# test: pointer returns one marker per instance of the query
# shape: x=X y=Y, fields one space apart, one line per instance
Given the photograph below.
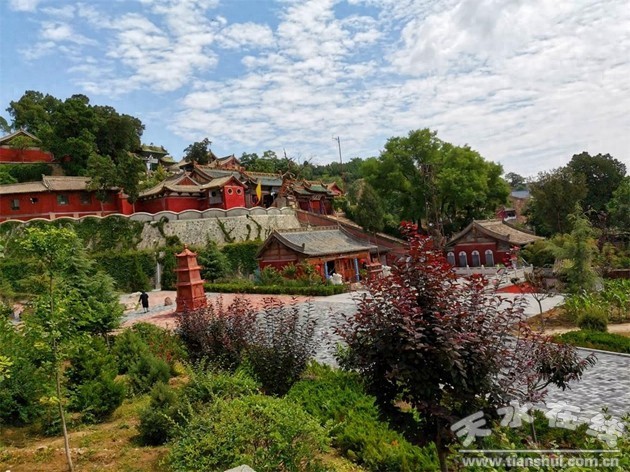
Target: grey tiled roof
x=320 y=242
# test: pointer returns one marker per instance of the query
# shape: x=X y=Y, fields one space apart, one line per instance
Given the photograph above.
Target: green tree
x=515 y=181
x=83 y=137
x=578 y=252
x=420 y=177
x=602 y=174
x=51 y=322
x=198 y=151
x=4 y=125
x=368 y=212
x=32 y=111
x=214 y=263
x=21 y=144
x=619 y=206
x=554 y=196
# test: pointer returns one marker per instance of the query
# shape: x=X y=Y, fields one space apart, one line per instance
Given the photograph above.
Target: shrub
x=338 y=398
x=290 y=271
x=96 y=399
x=217 y=333
x=270 y=276
x=93 y=389
x=159 y=420
x=206 y=386
x=268 y=434
x=146 y=371
x=283 y=342
x=285 y=289
x=596 y=340
x=594 y=319
x=26 y=383
x=162 y=343
x=128 y=347
x=27 y=172
x=213 y=262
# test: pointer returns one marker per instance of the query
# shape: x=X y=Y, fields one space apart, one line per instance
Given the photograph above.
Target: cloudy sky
x=527 y=83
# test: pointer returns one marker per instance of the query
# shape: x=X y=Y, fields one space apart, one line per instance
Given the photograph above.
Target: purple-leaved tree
x=449 y=348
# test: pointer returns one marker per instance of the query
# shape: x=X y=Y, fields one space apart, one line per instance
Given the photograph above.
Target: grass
x=596 y=340
x=107 y=446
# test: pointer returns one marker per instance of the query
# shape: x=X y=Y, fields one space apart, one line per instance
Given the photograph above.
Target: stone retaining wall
x=236 y=227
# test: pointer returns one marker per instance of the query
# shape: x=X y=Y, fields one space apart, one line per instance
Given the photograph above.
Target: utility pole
x=340 y=160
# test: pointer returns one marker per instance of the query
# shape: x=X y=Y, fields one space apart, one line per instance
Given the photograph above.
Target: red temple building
x=487 y=243
x=55 y=197
x=11 y=152
x=193 y=190
x=330 y=249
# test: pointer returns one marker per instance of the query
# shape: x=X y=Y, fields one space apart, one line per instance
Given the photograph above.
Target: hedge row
x=132 y=271
x=310 y=291
x=596 y=340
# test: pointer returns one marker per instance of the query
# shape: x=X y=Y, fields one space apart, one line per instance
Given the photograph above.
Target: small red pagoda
x=190 y=292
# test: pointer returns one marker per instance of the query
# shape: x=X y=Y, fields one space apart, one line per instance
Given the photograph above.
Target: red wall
x=234 y=199
x=468 y=248
x=8 y=154
x=47 y=203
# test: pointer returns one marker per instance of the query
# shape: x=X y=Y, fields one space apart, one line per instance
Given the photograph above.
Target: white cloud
x=245 y=35
x=24 y=5
x=527 y=83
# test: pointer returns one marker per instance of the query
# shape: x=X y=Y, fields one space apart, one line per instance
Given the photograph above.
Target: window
x=62 y=199
x=15 y=204
x=489 y=258
x=476 y=260
x=86 y=198
x=34 y=200
x=213 y=193
x=463 y=261
x=239 y=191
x=450 y=257
x=230 y=191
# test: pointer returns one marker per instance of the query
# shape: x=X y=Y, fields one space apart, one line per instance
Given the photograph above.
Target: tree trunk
x=66 y=441
x=442 y=452
x=62 y=416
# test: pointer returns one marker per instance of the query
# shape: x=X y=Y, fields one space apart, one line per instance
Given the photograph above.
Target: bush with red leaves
x=449 y=348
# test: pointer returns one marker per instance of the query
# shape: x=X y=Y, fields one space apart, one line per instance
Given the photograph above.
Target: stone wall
x=234 y=225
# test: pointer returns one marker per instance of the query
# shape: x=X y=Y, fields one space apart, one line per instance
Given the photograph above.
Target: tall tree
x=515 y=181
x=79 y=134
x=421 y=177
x=53 y=248
x=619 y=206
x=198 y=152
x=32 y=111
x=4 y=125
x=602 y=175
x=368 y=212
x=554 y=195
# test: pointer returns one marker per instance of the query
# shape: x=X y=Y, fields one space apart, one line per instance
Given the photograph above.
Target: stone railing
x=179 y=216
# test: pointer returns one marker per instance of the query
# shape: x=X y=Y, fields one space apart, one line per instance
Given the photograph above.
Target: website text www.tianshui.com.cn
x=559 y=461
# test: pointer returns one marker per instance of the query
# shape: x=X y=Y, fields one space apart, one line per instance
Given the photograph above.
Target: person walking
x=144 y=299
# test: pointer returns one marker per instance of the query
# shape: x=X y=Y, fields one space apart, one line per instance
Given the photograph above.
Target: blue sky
x=527 y=83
